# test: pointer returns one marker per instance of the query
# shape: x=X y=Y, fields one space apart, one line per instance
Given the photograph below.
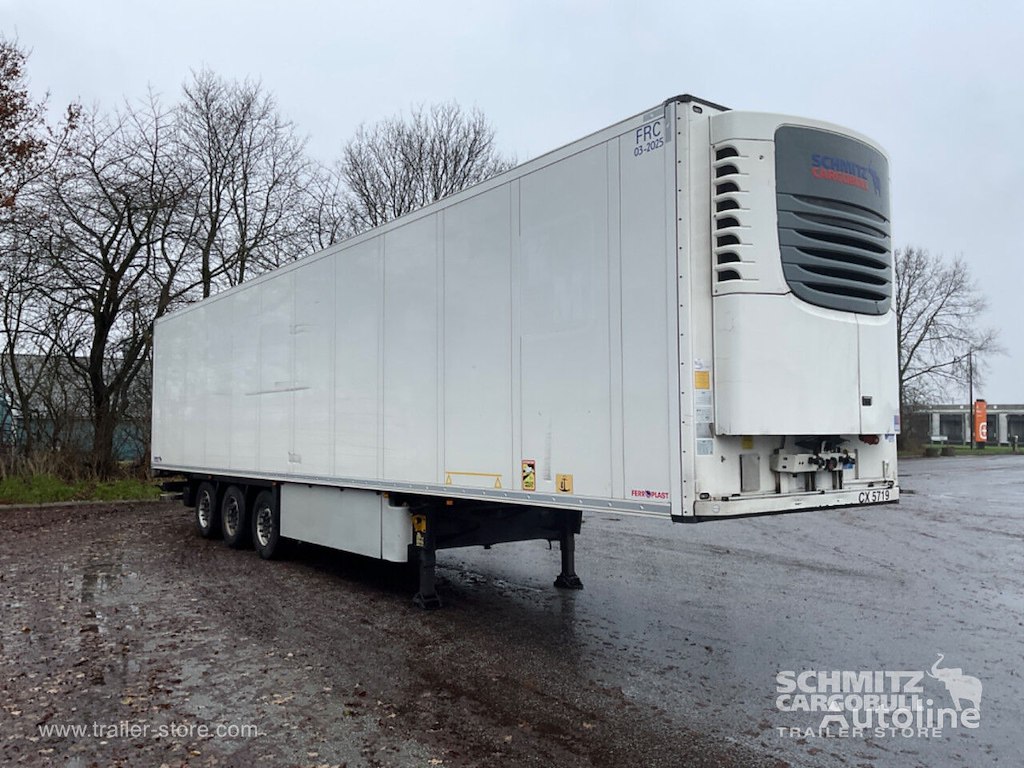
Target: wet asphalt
x=697 y=620
x=668 y=656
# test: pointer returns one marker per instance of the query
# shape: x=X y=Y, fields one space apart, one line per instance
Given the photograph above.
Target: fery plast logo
x=842 y=171
x=645 y=493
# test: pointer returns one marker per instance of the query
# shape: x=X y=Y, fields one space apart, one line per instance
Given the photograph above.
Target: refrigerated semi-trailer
x=687 y=315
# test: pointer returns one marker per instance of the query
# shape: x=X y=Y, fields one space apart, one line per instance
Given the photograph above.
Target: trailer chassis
x=437 y=524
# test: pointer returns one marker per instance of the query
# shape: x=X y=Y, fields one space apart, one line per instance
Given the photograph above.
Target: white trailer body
x=687 y=314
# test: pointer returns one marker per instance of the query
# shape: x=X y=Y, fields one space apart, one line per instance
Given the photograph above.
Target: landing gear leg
x=568 y=579
x=425 y=549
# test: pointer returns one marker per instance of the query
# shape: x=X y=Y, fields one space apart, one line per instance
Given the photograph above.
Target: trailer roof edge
x=685 y=98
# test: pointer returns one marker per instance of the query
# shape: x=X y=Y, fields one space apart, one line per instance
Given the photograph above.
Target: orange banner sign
x=980 y=421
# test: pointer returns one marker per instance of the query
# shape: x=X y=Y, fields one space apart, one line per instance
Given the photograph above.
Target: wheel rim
x=204 y=509
x=231 y=516
x=264 y=525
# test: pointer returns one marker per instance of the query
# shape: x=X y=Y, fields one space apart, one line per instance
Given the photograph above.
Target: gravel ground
x=120 y=618
x=163 y=648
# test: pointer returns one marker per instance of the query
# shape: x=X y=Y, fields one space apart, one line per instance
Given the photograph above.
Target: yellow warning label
x=702 y=379
x=529 y=475
x=747 y=442
x=495 y=476
x=563 y=483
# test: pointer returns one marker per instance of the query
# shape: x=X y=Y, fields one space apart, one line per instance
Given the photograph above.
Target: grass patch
x=128 y=489
x=41 y=489
x=34 y=489
x=963 y=450
x=991 y=450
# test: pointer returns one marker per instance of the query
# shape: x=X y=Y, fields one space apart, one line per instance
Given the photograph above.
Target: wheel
x=207 y=514
x=234 y=519
x=266 y=526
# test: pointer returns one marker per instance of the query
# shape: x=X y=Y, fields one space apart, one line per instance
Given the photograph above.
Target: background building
x=951 y=423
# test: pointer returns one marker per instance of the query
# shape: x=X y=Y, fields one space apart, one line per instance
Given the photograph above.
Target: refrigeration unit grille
x=835 y=254
x=730 y=228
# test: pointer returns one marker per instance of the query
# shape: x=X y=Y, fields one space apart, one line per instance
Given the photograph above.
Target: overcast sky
x=939 y=84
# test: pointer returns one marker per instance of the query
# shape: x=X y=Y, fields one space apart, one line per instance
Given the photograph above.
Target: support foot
x=427 y=602
x=423 y=552
x=572 y=581
x=568 y=579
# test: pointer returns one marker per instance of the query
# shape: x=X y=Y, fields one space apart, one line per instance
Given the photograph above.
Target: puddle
x=99 y=578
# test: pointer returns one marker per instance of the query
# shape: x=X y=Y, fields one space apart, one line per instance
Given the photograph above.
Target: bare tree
x=266 y=191
x=121 y=218
x=398 y=165
x=209 y=133
x=104 y=208
x=250 y=167
x=28 y=357
x=938 y=310
x=323 y=216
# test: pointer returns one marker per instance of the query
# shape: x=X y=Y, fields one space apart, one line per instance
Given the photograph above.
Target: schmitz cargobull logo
x=878 y=703
x=844 y=171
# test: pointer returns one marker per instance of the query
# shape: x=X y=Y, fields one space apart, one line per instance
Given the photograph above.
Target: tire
x=266 y=526
x=234 y=519
x=207 y=511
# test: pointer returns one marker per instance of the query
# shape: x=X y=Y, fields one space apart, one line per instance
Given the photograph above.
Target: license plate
x=875 y=497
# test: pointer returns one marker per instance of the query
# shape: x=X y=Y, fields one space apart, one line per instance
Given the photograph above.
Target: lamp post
x=970 y=395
